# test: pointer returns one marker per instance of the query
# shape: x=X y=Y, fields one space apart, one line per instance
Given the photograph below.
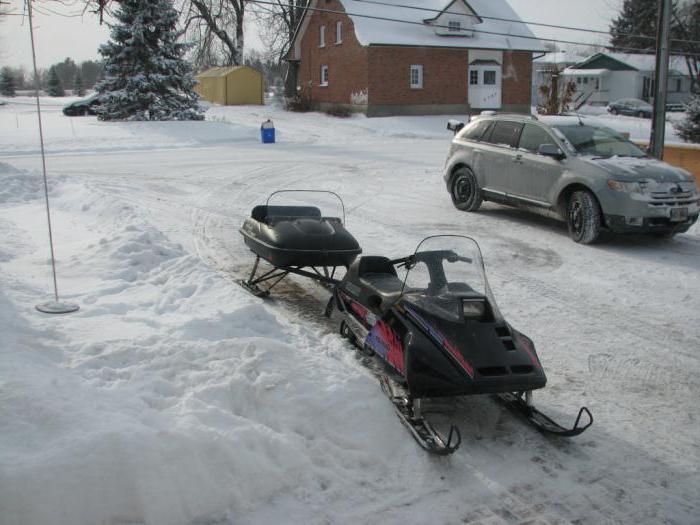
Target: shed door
x=484 y=89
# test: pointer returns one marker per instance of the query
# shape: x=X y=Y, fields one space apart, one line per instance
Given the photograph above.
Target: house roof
x=634 y=62
x=403 y=23
x=558 y=57
x=489 y=34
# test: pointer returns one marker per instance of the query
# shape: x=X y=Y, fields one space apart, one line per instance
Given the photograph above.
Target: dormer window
x=454 y=26
x=456 y=19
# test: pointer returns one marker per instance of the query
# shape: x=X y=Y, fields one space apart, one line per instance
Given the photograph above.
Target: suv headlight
x=629 y=187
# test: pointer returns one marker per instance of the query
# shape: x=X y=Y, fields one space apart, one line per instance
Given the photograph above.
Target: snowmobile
x=437 y=329
x=440 y=333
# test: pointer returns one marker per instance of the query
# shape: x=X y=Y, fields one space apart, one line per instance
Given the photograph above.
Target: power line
x=482 y=31
x=517 y=21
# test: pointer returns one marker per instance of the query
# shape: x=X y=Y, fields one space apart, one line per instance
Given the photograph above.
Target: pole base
x=57 y=308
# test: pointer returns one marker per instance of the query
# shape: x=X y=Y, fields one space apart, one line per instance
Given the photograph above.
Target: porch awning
x=568 y=72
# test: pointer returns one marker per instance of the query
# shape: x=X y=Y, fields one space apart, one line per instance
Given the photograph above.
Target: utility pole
x=658 y=122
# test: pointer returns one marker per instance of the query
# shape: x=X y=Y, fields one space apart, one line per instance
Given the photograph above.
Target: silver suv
x=572 y=168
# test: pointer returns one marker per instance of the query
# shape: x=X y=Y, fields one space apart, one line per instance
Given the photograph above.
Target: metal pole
x=55 y=307
x=658 y=123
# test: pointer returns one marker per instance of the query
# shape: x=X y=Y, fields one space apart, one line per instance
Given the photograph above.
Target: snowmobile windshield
x=309 y=203
x=446 y=277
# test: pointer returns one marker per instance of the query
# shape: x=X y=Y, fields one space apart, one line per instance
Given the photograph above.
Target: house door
x=484 y=90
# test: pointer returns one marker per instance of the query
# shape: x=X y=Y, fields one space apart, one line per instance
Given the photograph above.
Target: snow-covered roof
x=489 y=34
x=644 y=63
x=558 y=57
x=220 y=71
x=412 y=23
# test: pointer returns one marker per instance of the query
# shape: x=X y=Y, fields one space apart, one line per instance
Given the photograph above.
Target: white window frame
x=338 y=32
x=418 y=69
x=324 y=76
x=322 y=36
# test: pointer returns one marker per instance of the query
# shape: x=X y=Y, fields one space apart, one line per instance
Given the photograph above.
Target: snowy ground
x=173 y=397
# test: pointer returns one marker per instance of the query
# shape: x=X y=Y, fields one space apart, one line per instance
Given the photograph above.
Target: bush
x=689 y=128
x=298 y=103
x=338 y=110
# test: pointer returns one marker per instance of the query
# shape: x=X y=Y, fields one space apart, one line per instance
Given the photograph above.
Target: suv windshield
x=598 y=141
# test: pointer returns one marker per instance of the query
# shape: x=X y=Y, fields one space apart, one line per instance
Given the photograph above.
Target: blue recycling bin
x=267 y=132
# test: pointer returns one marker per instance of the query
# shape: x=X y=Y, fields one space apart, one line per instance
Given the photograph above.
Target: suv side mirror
x=454 y=125
x=551 y=150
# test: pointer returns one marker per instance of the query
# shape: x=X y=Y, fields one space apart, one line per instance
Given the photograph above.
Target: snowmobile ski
x=421 y=429
x=520 y=404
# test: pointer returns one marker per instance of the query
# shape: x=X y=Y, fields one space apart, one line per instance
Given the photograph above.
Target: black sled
x=296 y=239
x=440 y=334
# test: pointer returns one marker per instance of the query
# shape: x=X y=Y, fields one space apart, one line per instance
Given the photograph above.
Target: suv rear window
x=506 y=133
x=475 y=130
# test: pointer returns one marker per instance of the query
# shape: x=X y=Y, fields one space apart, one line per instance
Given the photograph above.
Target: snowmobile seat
x=378 y=276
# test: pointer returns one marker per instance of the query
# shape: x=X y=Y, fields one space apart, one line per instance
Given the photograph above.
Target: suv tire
x=583 y=217
x=465 y=192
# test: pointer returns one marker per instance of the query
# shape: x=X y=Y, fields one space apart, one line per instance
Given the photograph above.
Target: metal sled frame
x=326 y=276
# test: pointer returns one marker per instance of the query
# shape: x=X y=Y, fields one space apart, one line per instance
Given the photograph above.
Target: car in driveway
x=82 y=107
x=572 y=168
x=631 y=106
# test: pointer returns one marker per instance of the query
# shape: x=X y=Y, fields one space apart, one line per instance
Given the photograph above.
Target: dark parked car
x=83 y=107
x=631 y=106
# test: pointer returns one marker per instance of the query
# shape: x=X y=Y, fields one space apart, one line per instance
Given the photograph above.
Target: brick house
x=442 y=57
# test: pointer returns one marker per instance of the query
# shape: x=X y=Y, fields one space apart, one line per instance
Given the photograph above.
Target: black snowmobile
x=439 y=332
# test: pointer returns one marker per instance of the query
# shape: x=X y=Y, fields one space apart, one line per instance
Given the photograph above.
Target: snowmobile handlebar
x=430 y=258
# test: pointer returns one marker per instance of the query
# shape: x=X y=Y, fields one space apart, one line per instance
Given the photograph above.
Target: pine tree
x=55 y=86
x=146 y=76
x=7 y=82
x=78 y=88
x=638 y=17
x=689 y=128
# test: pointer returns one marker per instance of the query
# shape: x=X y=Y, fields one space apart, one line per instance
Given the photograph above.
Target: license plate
x=679 y=214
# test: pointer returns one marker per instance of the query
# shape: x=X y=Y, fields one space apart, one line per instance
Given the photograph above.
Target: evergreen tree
x=54 y=84
x=7 y=82
x=689 y=128
x=146 y=76
x=638 y=17
x=78 y=88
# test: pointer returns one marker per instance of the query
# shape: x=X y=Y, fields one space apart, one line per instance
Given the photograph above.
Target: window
x=455 y=26
x=578 y=80
x=322 y=36
x=338 y=32
x=533 y=137
x=324 y=75
x=473 y=77
x=416 y=77
x=506 y=133
x=490 y=78
x=475 y=130
x=678 y=84
x=585 y=80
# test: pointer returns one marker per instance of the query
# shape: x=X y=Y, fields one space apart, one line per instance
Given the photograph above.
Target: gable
x=456 y=12
x=603 y=61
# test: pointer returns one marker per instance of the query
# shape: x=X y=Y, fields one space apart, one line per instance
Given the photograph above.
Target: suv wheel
x=466 y=194
x=614 y=111
x=583 y=217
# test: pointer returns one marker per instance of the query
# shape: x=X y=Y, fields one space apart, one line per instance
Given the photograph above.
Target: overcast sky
x=63 y=31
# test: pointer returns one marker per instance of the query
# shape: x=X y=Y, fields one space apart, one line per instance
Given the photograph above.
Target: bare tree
x=216 y=28
x=555 y=98
x=277 y=24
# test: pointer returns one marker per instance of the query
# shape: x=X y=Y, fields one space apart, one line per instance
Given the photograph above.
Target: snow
x=378 y=30
x=174 y=397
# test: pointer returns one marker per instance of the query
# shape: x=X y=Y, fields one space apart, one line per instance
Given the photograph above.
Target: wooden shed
x=231 y=85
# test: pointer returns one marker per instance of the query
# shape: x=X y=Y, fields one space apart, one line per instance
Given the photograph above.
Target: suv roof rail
x=491 y=113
